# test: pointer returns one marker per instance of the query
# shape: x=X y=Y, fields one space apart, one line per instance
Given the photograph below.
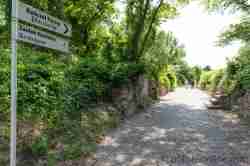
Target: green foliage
x=167 y=78
x=236 y=75
x=171 y=75
x=4 y=82
x=236 y=32
x=40 y=146
x=244 y=78
x=49 y=89
x=196 y=72
x=205 y=81
x=89 y=19
x=234 y=5
x=216 y=79
x=184 y=73
x=161 y=59
x=40 y=85
x=72 y=151
x=227 y=86
x=211 y=80
x=2 y=16
x=107 y=52
x=226 y=80
x=164 y=80
x=238 y=69
x=142 y=18
x=85 y=83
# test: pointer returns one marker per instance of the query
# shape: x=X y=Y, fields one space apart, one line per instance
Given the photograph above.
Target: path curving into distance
x=178 y=131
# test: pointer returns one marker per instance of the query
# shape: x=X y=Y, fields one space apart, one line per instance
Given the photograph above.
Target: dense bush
x=164 y=81
x=173 y=80
x=212 y=80
x=184 y=73
x=58 y=92
x=216 y=79
x=167 y=78
x=227 y=85
x=4 y=83
x=235 y=77
x=237 y=73
x=205 y=81
x=244 y=78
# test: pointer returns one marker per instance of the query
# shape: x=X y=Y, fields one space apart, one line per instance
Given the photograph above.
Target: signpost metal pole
x=14 y=23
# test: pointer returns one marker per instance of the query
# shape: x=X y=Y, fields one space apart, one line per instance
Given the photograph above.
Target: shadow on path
x=178 y=131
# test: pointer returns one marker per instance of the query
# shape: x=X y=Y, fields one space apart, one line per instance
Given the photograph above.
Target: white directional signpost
x=14 y=23
x=29 y=34
x=38 y=28
x=41 y=19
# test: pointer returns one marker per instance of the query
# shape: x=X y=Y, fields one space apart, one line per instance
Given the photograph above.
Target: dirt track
x=179 y=131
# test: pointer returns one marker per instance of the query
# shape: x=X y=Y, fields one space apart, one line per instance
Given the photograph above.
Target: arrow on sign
x=66 y=29
x=41 y=19
x=32 y=35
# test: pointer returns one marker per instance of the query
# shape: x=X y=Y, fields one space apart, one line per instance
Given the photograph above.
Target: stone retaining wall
x=239 y=101
x=244 y=104
x=132 y=97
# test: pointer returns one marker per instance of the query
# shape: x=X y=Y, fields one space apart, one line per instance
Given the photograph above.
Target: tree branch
x=139 y=30
x=150 y=27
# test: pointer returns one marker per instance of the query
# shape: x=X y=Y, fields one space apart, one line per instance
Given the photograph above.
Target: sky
x=198 y=31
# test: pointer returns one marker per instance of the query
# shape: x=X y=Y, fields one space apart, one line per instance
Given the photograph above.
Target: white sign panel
x=34 y=36
x=39 y=18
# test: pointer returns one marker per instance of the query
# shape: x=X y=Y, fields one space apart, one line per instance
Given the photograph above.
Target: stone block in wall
x=163 y=91
x=131 y=96
x=244 y=103
x=153 y=89
x=142 y=91
x=122 y=92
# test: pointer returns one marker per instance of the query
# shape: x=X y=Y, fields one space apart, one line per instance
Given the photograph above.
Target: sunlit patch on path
x=178 y=131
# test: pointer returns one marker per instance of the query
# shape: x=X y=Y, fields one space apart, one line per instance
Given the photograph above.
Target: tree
x=207 y=68
x=184 y=73
x=197 y=71
x=88 y=17
x=237 y=71
x=2 y=13
x=236 y=32
x=239 y=31
x=235 y=5
x=165 y=51
x=142 y=17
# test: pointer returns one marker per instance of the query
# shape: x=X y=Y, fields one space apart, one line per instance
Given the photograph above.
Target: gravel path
x=178 y=131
